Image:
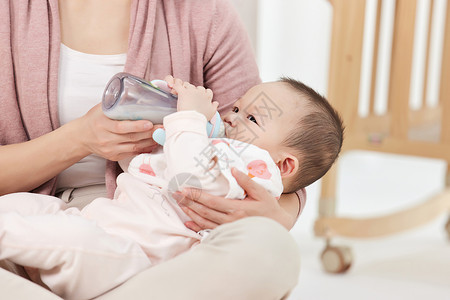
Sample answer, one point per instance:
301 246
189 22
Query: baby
282 134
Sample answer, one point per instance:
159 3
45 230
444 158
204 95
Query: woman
57 57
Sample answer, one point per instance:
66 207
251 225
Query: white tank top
82 79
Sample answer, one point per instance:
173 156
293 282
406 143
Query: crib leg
447 183
336 259
327 201
447 227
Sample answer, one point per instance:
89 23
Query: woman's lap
253 258
80 197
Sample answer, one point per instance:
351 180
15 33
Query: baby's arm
187 149
187 153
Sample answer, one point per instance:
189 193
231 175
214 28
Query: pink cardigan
196 40
201 41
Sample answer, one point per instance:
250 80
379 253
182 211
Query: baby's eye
235 109
252 118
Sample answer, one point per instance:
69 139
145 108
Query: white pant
253 258
74 257
231 263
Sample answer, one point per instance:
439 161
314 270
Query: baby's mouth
231 132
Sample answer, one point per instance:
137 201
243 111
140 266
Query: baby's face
264 116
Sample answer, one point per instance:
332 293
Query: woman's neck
95 26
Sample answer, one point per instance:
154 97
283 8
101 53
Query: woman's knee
263 251
277 247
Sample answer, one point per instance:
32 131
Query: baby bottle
127 97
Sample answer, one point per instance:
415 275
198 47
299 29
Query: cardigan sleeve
229 63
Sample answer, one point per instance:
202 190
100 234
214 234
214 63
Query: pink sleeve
301 194
229 64
188 154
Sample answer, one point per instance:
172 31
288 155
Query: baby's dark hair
317 137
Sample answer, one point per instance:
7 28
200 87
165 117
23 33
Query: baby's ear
288 165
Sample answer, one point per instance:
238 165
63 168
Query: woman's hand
112 139
208 211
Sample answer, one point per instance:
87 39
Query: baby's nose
230 119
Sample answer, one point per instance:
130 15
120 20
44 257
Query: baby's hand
191 97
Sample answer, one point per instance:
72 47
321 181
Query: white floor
411 265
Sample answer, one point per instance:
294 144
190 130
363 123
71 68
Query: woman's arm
230 67
208 211
27 165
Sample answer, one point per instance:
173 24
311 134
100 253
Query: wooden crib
423 132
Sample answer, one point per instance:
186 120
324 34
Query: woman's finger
126 127
145 137
217 203
253 189
199 220
146 146
192 226
207 213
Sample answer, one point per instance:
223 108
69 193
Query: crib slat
375 58
427 55
401 66
444 92
345 60
344 77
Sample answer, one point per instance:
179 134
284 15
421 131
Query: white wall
293 40
290 37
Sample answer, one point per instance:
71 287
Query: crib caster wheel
447 228
336 259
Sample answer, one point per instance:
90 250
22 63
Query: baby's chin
227 130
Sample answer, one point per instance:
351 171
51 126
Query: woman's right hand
27 165
112 139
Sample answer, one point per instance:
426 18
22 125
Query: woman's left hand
208 211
